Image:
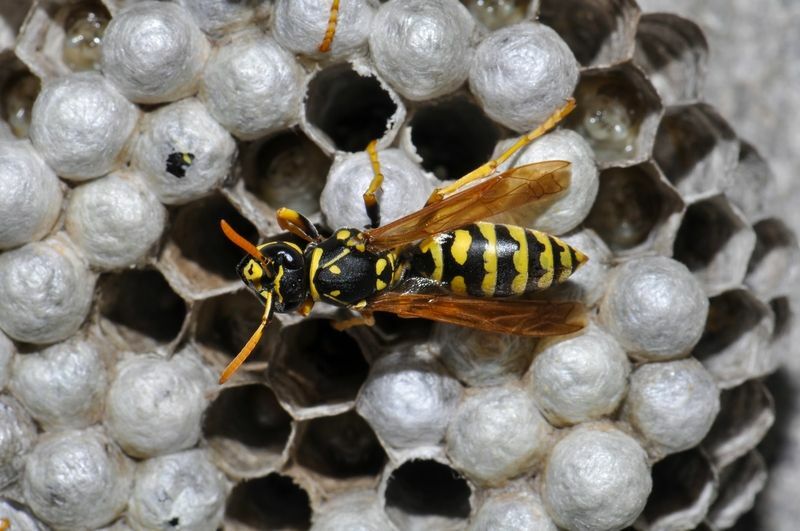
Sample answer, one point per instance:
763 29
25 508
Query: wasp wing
505 191
510 316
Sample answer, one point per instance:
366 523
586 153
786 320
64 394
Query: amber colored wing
505 191
510 316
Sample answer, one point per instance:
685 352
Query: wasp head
280 271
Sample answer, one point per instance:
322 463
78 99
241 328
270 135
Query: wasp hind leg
364 319
370 196
487 169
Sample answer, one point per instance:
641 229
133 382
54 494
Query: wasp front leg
370 196
487 169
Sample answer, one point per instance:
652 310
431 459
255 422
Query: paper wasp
440 263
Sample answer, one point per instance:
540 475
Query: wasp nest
130 128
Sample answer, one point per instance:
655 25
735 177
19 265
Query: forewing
505 191
511 316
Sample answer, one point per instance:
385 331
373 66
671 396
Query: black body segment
490 260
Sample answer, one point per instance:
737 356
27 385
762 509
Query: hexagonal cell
317 370
617 113
784 319
347 106
247 430
424 494
12 14
271 502
285 171
740 483
746 414
18 90
684 486
224 324
139 311
673 52
715 242
341 451
599 32
452 136
197 260
635 210
774 263
696 149
733 344
59 37
752 186
390 330
495 15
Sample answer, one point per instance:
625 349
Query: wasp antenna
243 354
241 242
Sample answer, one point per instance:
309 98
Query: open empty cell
18 91
84 25
271 502
498 14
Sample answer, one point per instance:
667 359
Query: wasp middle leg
370 196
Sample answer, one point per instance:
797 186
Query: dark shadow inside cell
779 441
225 323
18 90
770 234
249 414
740 408
730 315
350 108
84 25
453 137
685 137
270 502
285 171
318 364
141 303
496 15
428 488
679 481
343 446
585 25
783 316
196 232
629 204
706 228
390 329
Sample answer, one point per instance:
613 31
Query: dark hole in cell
84 26
770 234
196 232
178 163
627 208
742 409
249 414
779 442
174 522
495 15
427 488
684 138
730 315
270 502
783 316
583 25
17 94
343 446
319 364
226 323
142 301
286 171
350 108
706 229
394 330
453 137
678 482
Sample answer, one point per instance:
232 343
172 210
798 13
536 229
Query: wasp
442 262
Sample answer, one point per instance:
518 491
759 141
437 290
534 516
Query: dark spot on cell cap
178 162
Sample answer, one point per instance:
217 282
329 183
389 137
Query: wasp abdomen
491 260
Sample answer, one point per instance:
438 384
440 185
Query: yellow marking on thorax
335 293
565 259
546 260
336 258
520 260
380 265
432 246
316 254
489 281
380 284
458 285
461 242
342 234
335 269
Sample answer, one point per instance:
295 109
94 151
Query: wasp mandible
441 262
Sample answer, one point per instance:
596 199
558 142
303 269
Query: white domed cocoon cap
512 509
31 194
422 47
80 125
17 436
522 73
252 86
115 220
153 52
45 291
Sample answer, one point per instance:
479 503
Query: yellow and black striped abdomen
490 260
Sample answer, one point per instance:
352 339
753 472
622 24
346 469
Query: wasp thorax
282 273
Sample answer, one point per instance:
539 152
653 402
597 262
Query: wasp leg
325 46
251 344
487 169
365 319
296 223
370 199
